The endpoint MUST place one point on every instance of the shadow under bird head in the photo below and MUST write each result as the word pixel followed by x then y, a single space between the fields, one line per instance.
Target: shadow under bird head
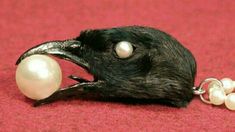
pixel 127 62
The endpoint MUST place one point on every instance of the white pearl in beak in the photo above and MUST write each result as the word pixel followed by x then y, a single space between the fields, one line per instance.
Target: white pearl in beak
pixel 124 49
pixel 38 76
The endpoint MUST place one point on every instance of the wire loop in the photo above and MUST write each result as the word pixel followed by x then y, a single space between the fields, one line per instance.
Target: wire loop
pixel 201 91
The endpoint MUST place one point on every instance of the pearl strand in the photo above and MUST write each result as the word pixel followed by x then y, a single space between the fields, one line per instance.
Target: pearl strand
pixel 220 92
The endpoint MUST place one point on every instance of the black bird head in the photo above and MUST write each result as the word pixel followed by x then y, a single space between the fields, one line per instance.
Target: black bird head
pixel 157 68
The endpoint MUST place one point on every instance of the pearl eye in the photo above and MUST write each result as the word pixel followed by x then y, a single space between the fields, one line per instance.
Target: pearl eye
pixel 124 49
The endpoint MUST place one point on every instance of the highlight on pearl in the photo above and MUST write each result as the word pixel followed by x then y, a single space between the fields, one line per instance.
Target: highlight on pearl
pixel 38 76
pixel 124 49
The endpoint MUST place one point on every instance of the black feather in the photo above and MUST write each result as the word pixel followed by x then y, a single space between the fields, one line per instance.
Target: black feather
pixel 160 68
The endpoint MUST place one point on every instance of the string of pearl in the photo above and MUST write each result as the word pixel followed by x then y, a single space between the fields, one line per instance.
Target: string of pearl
pixel 219 91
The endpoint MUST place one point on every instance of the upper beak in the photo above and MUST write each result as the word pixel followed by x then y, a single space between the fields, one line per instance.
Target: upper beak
pixel 68 49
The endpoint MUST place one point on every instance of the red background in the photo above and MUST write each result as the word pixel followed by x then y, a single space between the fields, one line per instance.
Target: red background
pixel 205 27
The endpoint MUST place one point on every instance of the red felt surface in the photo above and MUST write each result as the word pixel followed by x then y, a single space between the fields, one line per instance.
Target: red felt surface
pixel 205 27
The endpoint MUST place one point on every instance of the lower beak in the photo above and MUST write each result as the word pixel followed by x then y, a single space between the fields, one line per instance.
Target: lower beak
pixel 69 50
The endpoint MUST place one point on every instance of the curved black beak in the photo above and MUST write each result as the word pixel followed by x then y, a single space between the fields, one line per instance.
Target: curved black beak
pixel 69 50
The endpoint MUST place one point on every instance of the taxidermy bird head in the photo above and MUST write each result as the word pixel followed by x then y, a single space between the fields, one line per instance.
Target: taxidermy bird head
pixel 127 62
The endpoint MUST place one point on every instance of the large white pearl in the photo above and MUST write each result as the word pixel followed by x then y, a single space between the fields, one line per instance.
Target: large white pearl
pixel 230 101
pixel 38 76
pixel 124 49
pixel 227 85
pixel 217 96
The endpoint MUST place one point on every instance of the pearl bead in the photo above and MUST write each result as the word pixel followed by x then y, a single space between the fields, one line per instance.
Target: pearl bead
pixel 214 85
pixel 217 96
pixel 233 85
pixel 227 85
pixel 230 101
pixel 124 49
pixel 38 76
pixel 214 88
